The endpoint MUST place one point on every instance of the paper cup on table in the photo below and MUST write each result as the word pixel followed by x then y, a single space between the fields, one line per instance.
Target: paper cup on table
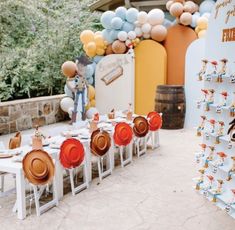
pixel 36 142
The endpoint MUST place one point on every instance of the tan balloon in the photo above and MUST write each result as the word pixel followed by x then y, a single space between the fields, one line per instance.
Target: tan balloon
pixel 176 9
pixel 118 47
pixel 91 47
pixel 69 69
pixel 186 18
pixel 181 1
pixel 202 34
pixel 158 33
pixel 190 7
pixel 168 4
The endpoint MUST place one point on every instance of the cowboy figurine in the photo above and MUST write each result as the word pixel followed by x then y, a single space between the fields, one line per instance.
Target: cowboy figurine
pixel 214 72
pixel 201 126
pixel 223 70
pixel 200 179
pixel 205 94
pixel 210 156
pixel 225 96
pixel 231 202
pixel 220 132
pixel 210 99
pixel 201 154
pixel 203 70
pixel 79 87
pixel 232 170
pixel 212 123
pixel 217 191
pixel 232 107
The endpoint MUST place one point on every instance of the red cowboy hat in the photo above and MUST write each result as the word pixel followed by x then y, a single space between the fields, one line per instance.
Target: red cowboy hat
pixel 212 121
pixel 214 63
pixel 222 154
pixel 224 93
pixel 203 145
pixel 123 134
pixel 71 153
pixel 211 178
pixel 204 91
pixel 141 126
pixel 155 121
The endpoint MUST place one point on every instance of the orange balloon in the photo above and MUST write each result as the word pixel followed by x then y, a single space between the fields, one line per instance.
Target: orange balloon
pixel 109 50
pixel 92 103
pixel 118 47
pixel 69 69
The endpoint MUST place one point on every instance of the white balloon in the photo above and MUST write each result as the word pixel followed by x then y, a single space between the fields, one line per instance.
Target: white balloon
pixel 137 24
pixel 131 35
pixel 146 35
pixel 156 17
pixel 138 32
pixel 91 112
pixel 66 103
pixel 122 36
pixel 142 17
pixel 146 28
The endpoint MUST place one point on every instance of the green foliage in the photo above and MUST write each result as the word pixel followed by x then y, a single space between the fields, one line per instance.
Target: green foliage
pixel 36 37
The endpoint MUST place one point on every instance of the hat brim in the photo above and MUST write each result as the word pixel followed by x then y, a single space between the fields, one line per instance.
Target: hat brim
pixel 43 156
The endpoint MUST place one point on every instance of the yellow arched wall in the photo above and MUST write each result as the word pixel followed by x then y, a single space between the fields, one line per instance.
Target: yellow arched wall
pixel 150 71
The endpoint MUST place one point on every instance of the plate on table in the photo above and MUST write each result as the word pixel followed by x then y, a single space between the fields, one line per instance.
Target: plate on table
pixel 5 155
pixel 72 133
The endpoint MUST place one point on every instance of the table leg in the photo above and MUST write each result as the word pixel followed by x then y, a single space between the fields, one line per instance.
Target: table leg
pixel 20 195
pixel 59 180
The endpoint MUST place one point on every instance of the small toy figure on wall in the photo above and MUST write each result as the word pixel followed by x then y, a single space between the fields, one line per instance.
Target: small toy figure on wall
pixel 231 202
pixel 210 99
pixel 232 107
pixel 202 72
pixel 200 179
pixel 218 191
pixel 224 98
pixel 201 126
pixel 214 73
pixel 220 132
pixel 223 70
pixel 210 156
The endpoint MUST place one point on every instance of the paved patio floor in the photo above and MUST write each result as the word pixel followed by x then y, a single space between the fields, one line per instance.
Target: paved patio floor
pixel 153 193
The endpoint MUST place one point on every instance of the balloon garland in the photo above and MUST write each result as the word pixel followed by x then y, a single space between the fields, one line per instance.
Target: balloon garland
pixel 188 13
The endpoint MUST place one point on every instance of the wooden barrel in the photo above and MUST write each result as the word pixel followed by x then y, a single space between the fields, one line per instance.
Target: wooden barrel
pixel 170 101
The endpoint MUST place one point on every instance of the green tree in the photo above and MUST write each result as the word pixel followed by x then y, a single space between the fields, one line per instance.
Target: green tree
pixel 36 37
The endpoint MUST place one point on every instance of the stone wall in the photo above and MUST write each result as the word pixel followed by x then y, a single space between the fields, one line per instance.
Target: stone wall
pixel 27 113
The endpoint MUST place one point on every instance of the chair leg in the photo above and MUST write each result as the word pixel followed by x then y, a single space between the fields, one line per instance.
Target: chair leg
pixel 2 183
pixel 121 156
pixel 85 175
pixel 71 171
pixel 99 169
pixel 36 200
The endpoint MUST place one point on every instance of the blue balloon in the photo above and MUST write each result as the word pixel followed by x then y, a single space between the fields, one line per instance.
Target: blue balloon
pixel 127 27
pixel 90 80
pixel 106 35
pixel 97 58
pixel 67 91
pixel 121 12
pixel 114 34
pixel 206 6
pixel 194 20
pixel 94 66
pixel 89 70
pixel 117 23
pixel 106 19
pixel 131 15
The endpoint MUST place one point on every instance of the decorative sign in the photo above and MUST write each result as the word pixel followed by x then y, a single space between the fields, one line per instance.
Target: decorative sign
pixel 228 35
pixel 114 81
